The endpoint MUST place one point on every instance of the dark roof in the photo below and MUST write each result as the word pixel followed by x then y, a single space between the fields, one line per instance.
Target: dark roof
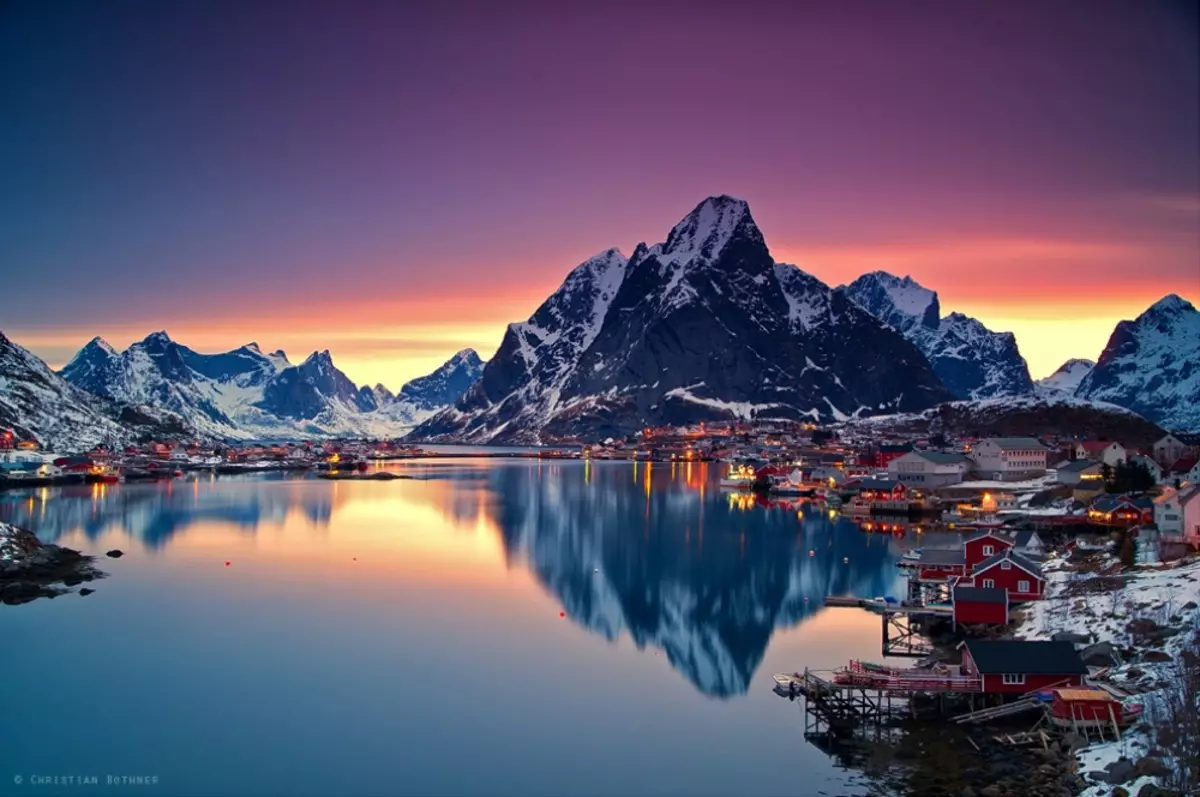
pixel 980 594
pixel 1023 562
pixel 877 484
pixel 979 535
pixel 1022 538
pixel 941 458
pixel 942 556
pixel 1080 465
pixel 887 448
pixel 1019 443
pixel 1031 658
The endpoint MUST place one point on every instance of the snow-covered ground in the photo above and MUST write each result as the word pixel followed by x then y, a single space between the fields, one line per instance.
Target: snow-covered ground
pixel 1040 483
pixel 14 543
pixel 1156 592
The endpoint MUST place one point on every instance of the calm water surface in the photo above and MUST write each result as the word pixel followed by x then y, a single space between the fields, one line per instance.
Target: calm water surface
pixel 496 627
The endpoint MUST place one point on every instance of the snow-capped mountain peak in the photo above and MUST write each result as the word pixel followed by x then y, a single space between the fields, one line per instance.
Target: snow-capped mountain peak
pixel 1150 365
pixel 970 359
pixel 705 232
pixel 702 326
pixel 1067 378
pixel 900 302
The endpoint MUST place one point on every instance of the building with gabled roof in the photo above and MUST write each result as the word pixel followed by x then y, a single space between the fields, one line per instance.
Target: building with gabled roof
pixel 1010 666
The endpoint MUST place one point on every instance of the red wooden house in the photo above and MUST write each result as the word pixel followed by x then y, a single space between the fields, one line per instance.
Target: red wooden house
pixel 941 564
pixel 980 605
pixel 880 489
pixel 885 453
pixel 1021 578
pixel 983 546
pixel 1009 666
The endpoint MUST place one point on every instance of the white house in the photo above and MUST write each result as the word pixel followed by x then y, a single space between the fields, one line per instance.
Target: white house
pixel 928 469
pixel 1177 514
pixel 1175 446
pixel 1101 451
pixel 1010 458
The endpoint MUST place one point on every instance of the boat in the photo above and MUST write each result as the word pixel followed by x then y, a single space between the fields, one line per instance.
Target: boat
pixel 1088 709
pixel 739 477
pixel 788 683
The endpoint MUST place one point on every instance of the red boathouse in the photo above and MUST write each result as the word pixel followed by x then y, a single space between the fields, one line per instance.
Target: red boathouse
pixel 1015 667
pixel 976 605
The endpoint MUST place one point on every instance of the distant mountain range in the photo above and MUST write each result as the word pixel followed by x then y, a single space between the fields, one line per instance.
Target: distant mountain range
pixel 703 326
pixel 158 387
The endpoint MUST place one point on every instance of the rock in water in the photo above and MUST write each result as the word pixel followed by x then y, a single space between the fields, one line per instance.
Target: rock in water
pixel 114 554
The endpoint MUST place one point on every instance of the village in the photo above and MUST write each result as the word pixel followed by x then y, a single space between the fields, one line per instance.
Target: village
pixel 1050 591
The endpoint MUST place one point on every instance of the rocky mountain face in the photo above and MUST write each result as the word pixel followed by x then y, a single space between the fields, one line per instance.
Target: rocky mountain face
pixel 1067 378
pixel 37 404
pixel 971 361
pixel 247 394
pixel 1151 365
pixel 703 326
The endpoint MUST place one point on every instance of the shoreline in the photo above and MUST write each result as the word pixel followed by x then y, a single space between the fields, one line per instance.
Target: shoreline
pixel 31 569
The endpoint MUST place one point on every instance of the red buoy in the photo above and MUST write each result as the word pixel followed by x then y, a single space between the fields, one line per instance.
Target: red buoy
pixel 227 564
pixel 562 614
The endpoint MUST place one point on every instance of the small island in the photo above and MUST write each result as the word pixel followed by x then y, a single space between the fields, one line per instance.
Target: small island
pixel 31 569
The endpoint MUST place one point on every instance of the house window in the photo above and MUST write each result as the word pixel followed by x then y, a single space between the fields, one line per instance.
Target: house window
pixel 1006 565
pixel 989 583
pixel 1022 586
pixel 1014 678
pixel 988 550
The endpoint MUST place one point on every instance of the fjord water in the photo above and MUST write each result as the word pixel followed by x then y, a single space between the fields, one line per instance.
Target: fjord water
pixel 492 627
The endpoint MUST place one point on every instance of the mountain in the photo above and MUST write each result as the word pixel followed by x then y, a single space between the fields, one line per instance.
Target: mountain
pixel 38 404
pixel 1067 378
pixel 442 387
pixel 1152 365
pixel 248 394
pixel 972 361
pixel 703 326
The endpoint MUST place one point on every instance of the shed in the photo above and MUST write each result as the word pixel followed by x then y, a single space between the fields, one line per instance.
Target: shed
pixel 1009 666
pixel 980 605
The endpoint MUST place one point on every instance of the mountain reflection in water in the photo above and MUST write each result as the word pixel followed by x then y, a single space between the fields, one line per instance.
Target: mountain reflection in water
pixel 655 551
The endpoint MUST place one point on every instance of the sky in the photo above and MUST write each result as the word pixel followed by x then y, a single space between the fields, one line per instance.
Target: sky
pixel 395 181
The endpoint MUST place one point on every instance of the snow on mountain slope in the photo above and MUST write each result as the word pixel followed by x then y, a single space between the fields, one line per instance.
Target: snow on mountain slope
pixel 702 326
pixel 971 360
pixel 246 394
pixel 1152 365
pixel 1067 378
pixel 420 398
pixel 38 405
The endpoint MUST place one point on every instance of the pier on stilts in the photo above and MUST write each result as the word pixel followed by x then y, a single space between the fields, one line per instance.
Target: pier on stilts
pixel 839 702
pixel 902 624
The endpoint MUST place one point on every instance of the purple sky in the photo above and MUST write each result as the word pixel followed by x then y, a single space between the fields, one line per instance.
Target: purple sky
pixel 394 180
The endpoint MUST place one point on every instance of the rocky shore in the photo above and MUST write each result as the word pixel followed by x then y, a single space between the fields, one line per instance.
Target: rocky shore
pixel 31 569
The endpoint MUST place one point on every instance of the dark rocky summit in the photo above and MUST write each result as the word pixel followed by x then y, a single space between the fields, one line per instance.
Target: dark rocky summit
pixel 705 326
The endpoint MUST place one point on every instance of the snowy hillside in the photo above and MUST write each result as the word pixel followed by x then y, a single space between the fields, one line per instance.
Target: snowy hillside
pixel 39 405
pixel 1067 378
pixel 702 326
pixel 971 360
pixel 1152 365
pixel 241 394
